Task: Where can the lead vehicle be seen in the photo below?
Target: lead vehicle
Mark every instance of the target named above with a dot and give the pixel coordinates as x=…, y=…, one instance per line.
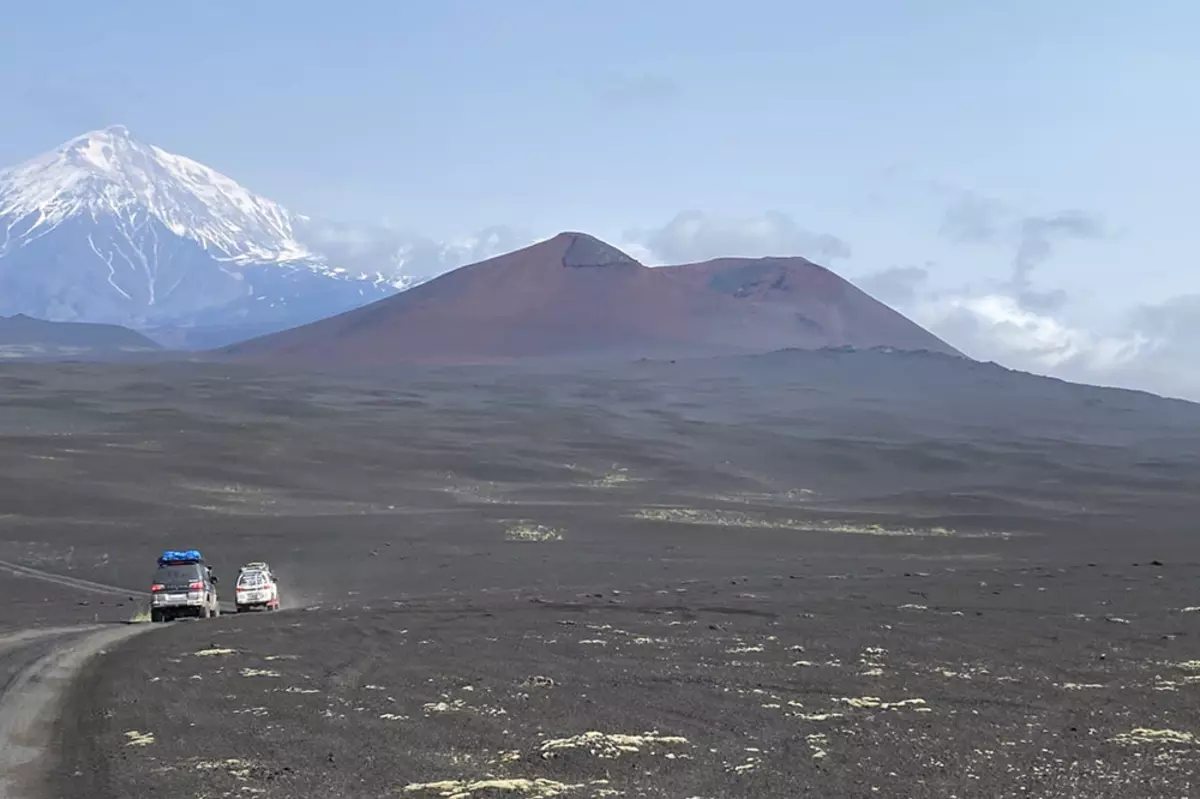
x=184, y=585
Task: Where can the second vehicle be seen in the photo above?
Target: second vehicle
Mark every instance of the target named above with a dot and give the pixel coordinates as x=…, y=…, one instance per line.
x=256, y=588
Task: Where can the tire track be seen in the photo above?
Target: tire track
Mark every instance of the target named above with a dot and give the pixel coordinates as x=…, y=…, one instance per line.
x=81, y=584
x=37, y=667
x=70, y=582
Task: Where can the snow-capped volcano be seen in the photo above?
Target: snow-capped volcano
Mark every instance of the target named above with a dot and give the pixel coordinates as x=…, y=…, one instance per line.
x=107, y=173
x=106, y=228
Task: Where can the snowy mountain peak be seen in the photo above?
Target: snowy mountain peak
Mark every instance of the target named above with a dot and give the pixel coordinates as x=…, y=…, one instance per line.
x=109, y=228
x=108, y=173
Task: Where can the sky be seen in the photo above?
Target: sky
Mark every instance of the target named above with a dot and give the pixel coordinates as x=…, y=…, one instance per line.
x=1019, y=177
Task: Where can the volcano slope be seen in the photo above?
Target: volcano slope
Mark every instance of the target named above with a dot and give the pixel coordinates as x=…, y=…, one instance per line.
x=576, y=297
x=808, y=573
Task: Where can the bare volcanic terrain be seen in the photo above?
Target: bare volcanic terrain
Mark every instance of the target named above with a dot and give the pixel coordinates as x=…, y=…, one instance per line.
x=804, y=573
x=575, y=296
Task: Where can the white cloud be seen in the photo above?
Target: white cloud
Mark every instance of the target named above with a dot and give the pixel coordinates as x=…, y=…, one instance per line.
x=391, y=250
x=997, y=327
x=697, y=236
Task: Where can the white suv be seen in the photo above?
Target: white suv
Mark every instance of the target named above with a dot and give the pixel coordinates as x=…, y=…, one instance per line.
x=256, y=588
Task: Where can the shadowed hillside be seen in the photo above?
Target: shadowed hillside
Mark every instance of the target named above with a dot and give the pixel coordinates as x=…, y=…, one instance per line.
x=23, y=336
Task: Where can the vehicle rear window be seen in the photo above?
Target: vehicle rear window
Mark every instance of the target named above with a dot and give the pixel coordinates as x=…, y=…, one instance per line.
x=252, y=578
x=177, y=574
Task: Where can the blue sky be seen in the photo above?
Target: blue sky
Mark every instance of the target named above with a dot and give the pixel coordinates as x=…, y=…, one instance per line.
x=1019, y=176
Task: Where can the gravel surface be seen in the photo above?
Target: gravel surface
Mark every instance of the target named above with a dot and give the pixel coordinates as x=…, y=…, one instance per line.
x=523, y=584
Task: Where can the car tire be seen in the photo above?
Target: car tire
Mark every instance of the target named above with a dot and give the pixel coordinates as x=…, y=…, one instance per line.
x=156, y=616
x=205, y=612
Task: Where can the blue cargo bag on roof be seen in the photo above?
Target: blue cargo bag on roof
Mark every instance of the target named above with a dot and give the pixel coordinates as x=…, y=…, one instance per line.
x=180, y=556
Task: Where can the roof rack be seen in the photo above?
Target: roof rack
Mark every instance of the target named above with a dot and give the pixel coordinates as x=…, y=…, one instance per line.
x=180, y=556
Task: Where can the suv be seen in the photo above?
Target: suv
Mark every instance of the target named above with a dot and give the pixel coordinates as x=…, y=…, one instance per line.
x=184, y=585
x=256, y=588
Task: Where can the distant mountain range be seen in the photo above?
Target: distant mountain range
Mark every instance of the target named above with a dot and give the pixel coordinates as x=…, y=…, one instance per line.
x=108, y=229
x=574, y=296
x=25, y=337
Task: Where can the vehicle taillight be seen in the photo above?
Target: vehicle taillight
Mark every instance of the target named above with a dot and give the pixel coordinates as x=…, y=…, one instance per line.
x=154, y=589
x=196, y=586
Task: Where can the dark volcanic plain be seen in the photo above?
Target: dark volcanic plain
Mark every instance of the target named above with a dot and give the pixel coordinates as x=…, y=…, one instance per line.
x=850, y=574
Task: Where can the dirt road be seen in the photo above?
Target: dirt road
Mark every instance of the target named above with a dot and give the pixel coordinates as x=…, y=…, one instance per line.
x=35, y=667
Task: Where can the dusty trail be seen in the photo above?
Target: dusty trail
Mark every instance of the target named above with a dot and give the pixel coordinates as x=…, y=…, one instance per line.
x=87, y=585
x=36, y=667
x=68, y=582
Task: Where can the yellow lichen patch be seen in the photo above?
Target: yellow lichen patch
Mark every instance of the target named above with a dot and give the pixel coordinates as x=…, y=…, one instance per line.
x=531, y=789
x=619, y=476
x=752, y=763
x=205, y=653
x=609, y=745
x=237, y=768
x=820, y=716
x=817, y=742
x=872, y=661
x=1143, y=735
x=135, y=738
x=723, y=518
x=735, y=518
x=525, y=530
x=447, y=705
x=875, y=703
x=248, y=672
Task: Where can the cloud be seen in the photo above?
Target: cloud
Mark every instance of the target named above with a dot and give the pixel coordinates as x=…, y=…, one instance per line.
x=1037, y=237
x=971, y=218
x=899, y=285
x=392, y=251
x=1154, y=347
x=997, y=327
x=1011, y=321
x=696, y=236
x=1171, y=362
x=974, y=219
x=1173, y=324
x=631, y=92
